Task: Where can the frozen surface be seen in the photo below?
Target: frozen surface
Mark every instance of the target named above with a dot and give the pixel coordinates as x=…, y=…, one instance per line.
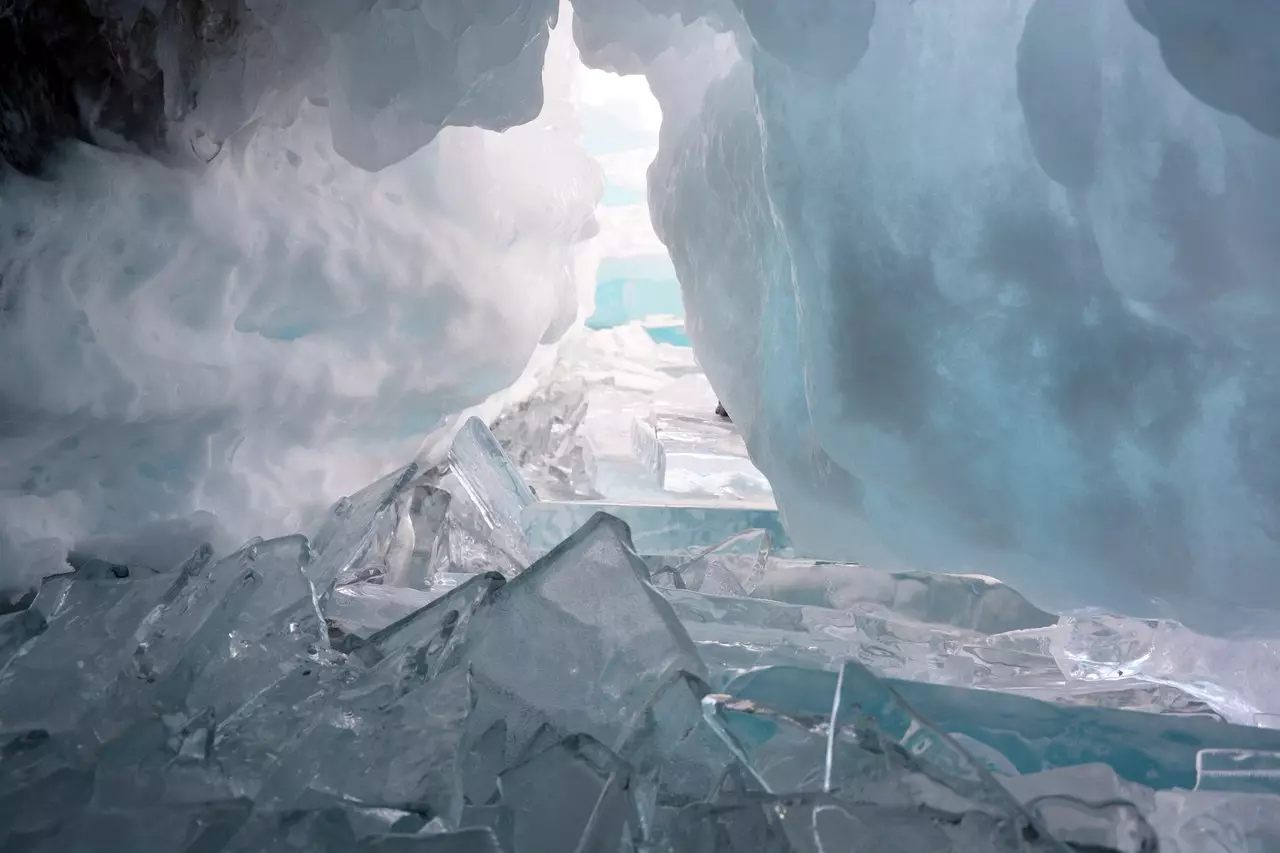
x=310, y=693
x=226, y=350
x=988, y=288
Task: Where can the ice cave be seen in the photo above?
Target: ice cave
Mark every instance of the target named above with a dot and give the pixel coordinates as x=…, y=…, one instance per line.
x=639, y=426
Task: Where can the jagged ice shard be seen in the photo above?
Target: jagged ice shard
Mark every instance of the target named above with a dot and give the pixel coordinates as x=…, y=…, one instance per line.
x=984, y=288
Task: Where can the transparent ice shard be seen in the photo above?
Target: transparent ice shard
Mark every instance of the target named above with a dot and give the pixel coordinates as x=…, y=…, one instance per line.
x=1239, y=679
x=278, y=627
x=1098, y=646
x=403, y=752
x=784, y=754
x=417, y=648
x=580, y=640
x=1242, y=770
x=429, y=554
x=734, y=567
x=51, y=683
x=973, y=603
x=869, y=714
x=358, y=531
x=540, y=435
x=494, y=486
x=656, y=528
x=358, y=611
x=677, y=758
x=573, y=796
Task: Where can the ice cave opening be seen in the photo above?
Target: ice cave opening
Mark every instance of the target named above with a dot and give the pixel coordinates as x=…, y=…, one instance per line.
x=362, y=488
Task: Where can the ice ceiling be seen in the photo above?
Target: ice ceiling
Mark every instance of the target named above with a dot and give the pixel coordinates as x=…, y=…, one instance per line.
x=988, y=287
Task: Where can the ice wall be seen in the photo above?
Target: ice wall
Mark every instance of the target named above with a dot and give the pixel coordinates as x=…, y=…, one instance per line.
x=232, y=344
x=990, y=286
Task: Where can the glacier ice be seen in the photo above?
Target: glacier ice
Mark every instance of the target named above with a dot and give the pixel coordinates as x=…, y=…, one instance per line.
x=282, y=697
x=987, y=288
x=288, y=253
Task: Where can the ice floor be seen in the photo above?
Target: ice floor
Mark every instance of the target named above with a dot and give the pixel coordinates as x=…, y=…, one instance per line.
x=587, y=631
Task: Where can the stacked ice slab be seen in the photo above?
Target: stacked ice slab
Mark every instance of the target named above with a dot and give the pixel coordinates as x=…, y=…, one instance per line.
x=630, y=429
x=291, y=697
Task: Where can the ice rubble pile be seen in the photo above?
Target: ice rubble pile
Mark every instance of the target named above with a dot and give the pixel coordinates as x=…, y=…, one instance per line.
x=414, y=676
x=989, y=286
x=249, y=340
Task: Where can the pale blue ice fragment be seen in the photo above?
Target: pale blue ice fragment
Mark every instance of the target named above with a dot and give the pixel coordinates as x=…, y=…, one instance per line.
x=573, y=796
x=355, y=526
x=358, y=611
x=1155, y=750
x=51, y=683
x=1246, y=771
x=580, y=642
x=734, y=567
x=494, y=487
x=656, y=528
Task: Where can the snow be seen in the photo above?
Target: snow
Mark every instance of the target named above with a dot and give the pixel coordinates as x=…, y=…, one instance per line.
x=248, y=342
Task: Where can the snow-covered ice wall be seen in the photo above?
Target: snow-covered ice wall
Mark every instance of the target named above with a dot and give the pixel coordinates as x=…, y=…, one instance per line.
x=990, y=286
x=230, y=342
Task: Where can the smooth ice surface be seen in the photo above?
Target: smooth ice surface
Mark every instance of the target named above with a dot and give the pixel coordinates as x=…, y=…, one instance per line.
x=989, y=288
x=235, y=345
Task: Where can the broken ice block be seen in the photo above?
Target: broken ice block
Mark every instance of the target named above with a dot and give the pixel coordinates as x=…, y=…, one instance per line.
x=358, y=611
x=726, y=569
x=1247, y=771
x=871, y=714
x=540, y=435
x=49, y=684
x=403, y=752
x=493, y=485
x=1158, y=751
x=357, y=525
x=420, y=646
x=429, y=554
x=784, y=754
x=660, y=529
x=574, y=795
x=580, y=640
x=960, y=601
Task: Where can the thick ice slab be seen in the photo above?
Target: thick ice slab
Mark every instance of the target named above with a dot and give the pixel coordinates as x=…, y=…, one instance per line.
x=1040, y=357
x=657, y=528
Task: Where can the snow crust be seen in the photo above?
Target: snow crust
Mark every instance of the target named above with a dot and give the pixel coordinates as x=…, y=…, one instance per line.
x=230, y=348
x=989, y=287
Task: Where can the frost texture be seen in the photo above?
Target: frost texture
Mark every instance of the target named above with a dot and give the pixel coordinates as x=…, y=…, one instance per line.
x=988, y=287
x=232, y=345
